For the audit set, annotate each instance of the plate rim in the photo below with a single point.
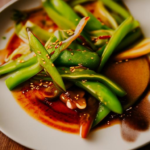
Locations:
(1, 129)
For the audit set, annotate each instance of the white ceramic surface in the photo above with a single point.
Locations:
(22, 128)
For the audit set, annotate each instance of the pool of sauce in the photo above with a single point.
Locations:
(14, 42)
(52, 113)
(55, 113)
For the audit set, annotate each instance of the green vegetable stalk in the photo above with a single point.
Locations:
(67, 19)
(45, 61)
(42, 34)
(13, 82)
(102, 93)
(116, 8)
(117, 37)
(77, 73)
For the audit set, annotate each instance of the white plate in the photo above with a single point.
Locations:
(22, 128)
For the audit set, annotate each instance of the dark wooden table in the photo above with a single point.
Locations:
(8, 144)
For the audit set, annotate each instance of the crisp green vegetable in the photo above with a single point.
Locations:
(131, 38)
(13, 82)
(74, 58)
(66, 58)
(45, 61)
(117, 37)
(116, 8)
(76, 2)
(94, 23)
(81, 74)
(102, 112)
(67, 19)
(23, 75)
(102, 93)
(39, 32)
(21, 62)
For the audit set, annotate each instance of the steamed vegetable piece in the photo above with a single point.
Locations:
(22, 75)
(76, 2)
(94, 23)
(117, 37)
(42, 34)
(94, 27)
(75, 58)
(139, 50)
(130, 39)
(102, 112)
(105, 15)
(66, 58)
(77, 73)
(67, 19)
(45, 61)
(116, 8)
(13, 80)
(87, 59)
(102, 93)
(21, 62)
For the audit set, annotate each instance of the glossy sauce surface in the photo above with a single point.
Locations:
(14, 42)
(52, 113)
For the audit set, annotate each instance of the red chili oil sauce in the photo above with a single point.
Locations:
(52, 113)
(14, 42)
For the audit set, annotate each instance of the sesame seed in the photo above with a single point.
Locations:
(83, 81)
(72, 69)
(44, 62)
(40, 84)
(46, 55)
(93, 39)
(50, 83)
(60, 43)
(57, 40)
(39, 52)
(49, 46)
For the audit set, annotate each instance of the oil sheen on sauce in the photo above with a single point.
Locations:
(55, 114)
